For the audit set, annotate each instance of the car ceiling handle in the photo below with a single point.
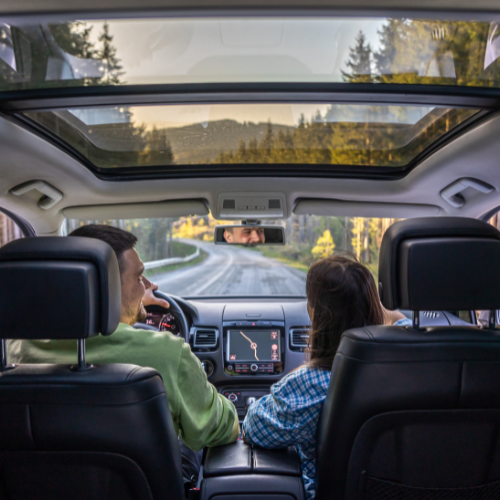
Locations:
(51, 194)
(452, 193)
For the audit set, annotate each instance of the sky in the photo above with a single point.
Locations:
(232, 50)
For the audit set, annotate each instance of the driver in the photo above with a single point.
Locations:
(250, 235)
(201, 416)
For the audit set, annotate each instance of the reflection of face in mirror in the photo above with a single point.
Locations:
(245, 235)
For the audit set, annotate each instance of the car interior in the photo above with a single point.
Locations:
(241, 144)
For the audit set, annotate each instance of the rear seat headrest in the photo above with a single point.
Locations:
(58, 288)
(441, 263)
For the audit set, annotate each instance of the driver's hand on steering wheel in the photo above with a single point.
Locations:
(149, 298)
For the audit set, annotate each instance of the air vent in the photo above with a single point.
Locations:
(205, 337)
(274, 204)
(229, 204)
(431, 314)
(299, 337)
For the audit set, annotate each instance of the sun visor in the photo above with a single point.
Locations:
(340, 208)
(171, 208)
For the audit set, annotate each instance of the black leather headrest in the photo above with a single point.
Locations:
(440, 263)
(58, 288)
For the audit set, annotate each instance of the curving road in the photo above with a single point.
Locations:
(232, 270)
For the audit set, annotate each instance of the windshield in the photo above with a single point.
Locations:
(181, 257)
(220, 50)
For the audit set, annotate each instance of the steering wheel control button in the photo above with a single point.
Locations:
(232, 397)
(254, 368)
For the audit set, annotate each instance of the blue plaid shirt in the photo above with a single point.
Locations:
(289, 416)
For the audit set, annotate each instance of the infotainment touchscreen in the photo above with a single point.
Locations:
(253, 345)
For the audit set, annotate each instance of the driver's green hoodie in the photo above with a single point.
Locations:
(201, 415)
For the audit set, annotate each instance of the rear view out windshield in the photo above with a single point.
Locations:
(327, 134)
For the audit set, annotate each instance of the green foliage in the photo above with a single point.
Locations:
(360, 62)
(346, 142)
(74, 38)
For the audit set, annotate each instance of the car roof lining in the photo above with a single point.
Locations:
(346, 208)
(168, 208)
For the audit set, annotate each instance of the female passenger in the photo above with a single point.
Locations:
(341, 294)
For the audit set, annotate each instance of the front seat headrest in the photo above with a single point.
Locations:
(58, 288)
(440, 263)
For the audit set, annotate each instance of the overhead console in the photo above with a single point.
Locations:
(248, 205)
(253, 339)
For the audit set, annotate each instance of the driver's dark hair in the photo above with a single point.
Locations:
(118, 239)
(341, 294)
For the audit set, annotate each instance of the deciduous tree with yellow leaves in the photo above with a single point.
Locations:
(324, 246)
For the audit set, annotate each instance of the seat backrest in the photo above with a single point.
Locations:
(101, 432)
(415, 413)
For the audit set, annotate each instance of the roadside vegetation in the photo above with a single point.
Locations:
(173, 267)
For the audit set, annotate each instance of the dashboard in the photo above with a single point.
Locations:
(247, 344)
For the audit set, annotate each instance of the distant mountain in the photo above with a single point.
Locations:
(197, 143)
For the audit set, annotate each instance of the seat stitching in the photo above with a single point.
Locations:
(129, 376)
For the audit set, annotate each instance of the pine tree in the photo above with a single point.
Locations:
(359, 62)
(390, 37)
(267, 144)
(157, 150)
(87, 47)
(107, 54)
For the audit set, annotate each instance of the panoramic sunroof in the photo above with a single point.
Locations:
(222, 50)
(167, 136)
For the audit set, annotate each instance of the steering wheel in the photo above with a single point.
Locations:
(176, 311)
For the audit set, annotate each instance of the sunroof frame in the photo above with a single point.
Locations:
(13, 104)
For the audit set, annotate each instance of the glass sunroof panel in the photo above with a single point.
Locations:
(327, 134)
(217, 50)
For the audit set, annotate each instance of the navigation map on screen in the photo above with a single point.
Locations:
(254, 345)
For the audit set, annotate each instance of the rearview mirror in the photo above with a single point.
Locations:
(249, 235)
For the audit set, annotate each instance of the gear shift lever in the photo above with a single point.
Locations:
(248, 403)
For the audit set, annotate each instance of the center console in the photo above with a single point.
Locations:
(243, 472)
(253, 348)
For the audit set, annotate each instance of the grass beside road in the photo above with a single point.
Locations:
(182, 249)
(282, 257)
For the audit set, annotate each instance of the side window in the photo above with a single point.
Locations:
(483, 317)
(9, 230)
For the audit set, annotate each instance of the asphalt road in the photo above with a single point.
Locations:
(232, 270)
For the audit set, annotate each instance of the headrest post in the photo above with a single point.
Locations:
(415, 316)
(82, 365)
(81, 353)
(3, 356)
(492, 319)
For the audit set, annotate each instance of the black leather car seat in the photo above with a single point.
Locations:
(415, 413)
(102, 432)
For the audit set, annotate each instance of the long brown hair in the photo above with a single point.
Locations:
(341, 294)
